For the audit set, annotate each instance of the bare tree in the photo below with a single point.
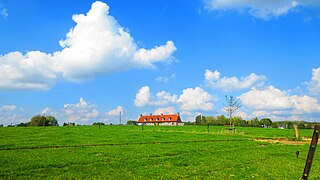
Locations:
(232, 105)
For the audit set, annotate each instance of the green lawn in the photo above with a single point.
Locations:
(127, 152)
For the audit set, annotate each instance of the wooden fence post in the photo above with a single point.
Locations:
(312, 150)
(297, 131)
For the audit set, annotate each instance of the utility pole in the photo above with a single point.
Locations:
(120, 118)
(44, 119)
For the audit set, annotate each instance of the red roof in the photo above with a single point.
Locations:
(160, 118)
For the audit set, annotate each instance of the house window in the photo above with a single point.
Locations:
(145, 119)
(169, 118)
(157, 119)
(151, 119)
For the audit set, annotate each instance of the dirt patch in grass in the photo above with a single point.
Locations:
(285, 141)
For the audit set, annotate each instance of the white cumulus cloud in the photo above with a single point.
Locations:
(166, 110)
(314, 85)
(262, 9)
(274, 102)
(10, 114)
(97, 44)
(34, 70)
(228, 84)
(268, 98)
(196, 99)
(190, 99)
(145, 98)
(80, 112)
(115, 112)
(305, 104)
(160, 53)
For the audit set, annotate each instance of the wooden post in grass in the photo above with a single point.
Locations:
(312, 150)
(208, 127)
(142, 127)
(99, 124)
(297, 131)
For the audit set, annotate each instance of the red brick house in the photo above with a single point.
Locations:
(161, 120)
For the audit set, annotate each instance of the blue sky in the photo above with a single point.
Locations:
(85, 61)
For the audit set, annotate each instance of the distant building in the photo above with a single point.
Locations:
(161, 120)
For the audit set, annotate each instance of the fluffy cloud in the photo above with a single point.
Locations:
(34, 70)
(10, 114)
(147, 57)
(314, 84)
(97, 44)
(272, 101)
(115, 112)
(167, 110)
(228, 84)
(80, 112)
(145, 98)
(305, 104)
(269, 98)
(262, 9)
(196, 99)
(190, 99)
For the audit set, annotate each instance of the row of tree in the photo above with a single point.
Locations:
(255, 122)
(237, 121)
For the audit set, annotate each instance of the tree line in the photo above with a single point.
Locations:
(221, 120)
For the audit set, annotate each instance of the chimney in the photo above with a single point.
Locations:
(161, 114)
(178, 113)
(140, 114)
(150, 114)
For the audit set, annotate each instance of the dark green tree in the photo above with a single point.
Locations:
(69, 124)
(201, 120)
(22, 125)
(98, 123)
(255, 122)
(131, 122)
(275, 125)
(301, 125)
(39, 120)
(265, 122)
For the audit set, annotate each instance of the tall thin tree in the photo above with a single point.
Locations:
(231, 106)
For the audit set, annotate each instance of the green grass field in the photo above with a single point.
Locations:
(127, 152)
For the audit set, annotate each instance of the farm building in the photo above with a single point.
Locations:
(161, 120)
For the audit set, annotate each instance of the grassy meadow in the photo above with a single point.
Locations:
(127, 152)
